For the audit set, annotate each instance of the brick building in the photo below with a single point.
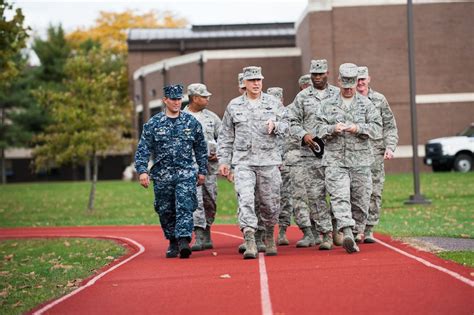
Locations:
(365, 32)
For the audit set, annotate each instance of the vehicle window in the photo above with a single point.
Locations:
(468, 132)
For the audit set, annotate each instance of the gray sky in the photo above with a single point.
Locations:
(72, 14)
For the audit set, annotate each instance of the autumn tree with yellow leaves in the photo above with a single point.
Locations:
(110, 29)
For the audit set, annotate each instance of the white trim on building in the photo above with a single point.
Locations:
(216, 54)
(445, 98)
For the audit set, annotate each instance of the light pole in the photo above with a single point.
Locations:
(417, 197)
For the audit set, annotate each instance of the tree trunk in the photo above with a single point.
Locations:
(2, 156)
(88, 170)
(95, 170)
(3, 167)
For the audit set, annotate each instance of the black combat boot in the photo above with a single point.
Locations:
(172, 251)
(184, 249)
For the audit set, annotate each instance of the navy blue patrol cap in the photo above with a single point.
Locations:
(173, 91)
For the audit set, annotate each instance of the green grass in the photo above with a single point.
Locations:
(451, 213)
(36, 270)
(65, 203)
(465, 258)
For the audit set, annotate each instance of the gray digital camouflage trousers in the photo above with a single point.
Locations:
(349, 189)
(206, 196)
(378, 180)
(314, 179)
(286, 193)
(175, 202)
(300, 196)
(263, 181)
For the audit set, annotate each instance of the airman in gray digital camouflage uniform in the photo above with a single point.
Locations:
(346, 122)
(205, 213)
(303, 119)
(248, 141)
(384, 146)
(175, 142)
(296, 203)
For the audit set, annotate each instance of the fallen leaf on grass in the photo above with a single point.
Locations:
(67, 244)
(4, 293)
(110, 258)
(17, 304)
(4, 273)
(225, 276)
(8, 257)
(61, 266)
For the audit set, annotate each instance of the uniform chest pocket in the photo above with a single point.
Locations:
(239, 117)
(186, 135)
(268, 114)
(162, 135)
(359, 117)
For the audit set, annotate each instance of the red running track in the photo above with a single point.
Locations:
(378, 280)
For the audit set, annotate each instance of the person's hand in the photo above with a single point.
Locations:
(212, 157)
(339, 128)
(230, 177)
(388, 154)
(144, 180)
(270, 126)
(308, 139)
(201, 179)
(352, 128)
(224, 170)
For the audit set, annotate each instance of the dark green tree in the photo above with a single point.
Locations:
(13, 35)
(53, 53)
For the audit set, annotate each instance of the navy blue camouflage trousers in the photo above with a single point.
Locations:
(175, 202)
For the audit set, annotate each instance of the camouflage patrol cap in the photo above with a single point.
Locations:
(348, 75)
(362, 72)
(198, 89)
(240, 78)
(276, 91)
(252, 73)
(173, 91)
(305, 79)
(319, 66)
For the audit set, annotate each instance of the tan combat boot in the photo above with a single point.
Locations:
(348, 242)
(250, 246)
(242, 248)
(307, 240)
(282, 239)
(337, 237)
(207, 238)
(259, 235)
(316, 235)
(369, 235)
(271, 249)
(326, 244)
(198, 239)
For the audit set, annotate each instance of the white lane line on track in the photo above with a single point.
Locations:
(428, 264)
(93, 280)
(265, 299)
(264, 290)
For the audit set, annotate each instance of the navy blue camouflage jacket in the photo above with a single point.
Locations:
(171, 145)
